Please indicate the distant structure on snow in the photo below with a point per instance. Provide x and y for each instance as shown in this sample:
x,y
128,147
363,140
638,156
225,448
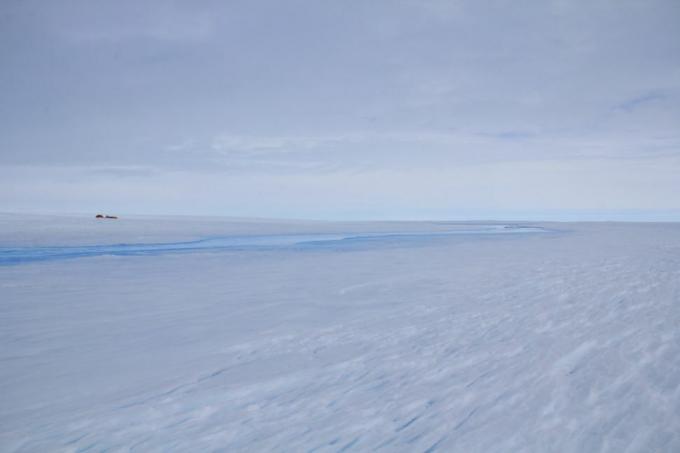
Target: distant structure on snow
x,y
102,216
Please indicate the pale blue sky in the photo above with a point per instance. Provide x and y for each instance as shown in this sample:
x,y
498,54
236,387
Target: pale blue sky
x,y
398,109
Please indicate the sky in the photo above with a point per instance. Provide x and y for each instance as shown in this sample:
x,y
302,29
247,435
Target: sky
x,y
345,109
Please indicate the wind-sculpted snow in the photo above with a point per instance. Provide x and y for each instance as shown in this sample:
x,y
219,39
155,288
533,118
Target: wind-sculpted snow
x,y
564,342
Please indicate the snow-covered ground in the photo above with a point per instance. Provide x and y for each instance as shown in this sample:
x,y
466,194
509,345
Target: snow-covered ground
x,y
396,340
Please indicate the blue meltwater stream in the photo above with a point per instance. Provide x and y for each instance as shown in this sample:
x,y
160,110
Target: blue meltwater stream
x,y
21,255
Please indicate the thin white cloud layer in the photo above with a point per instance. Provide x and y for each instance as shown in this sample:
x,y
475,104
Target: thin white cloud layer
x,y
376,109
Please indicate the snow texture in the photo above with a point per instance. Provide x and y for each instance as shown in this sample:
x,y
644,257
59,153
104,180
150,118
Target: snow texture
x,y
361,337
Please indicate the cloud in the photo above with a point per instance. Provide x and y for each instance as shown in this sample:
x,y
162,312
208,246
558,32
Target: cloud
x,y
228,144
486,190
633,103
90,22
318,95
510,135
118,172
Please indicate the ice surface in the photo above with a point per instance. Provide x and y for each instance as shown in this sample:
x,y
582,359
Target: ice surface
x,y
409,341
18,254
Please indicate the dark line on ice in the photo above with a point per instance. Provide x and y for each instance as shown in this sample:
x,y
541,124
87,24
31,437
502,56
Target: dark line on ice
x,y
467,417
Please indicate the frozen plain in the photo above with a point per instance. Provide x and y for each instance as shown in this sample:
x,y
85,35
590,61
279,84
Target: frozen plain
x,y
401,339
